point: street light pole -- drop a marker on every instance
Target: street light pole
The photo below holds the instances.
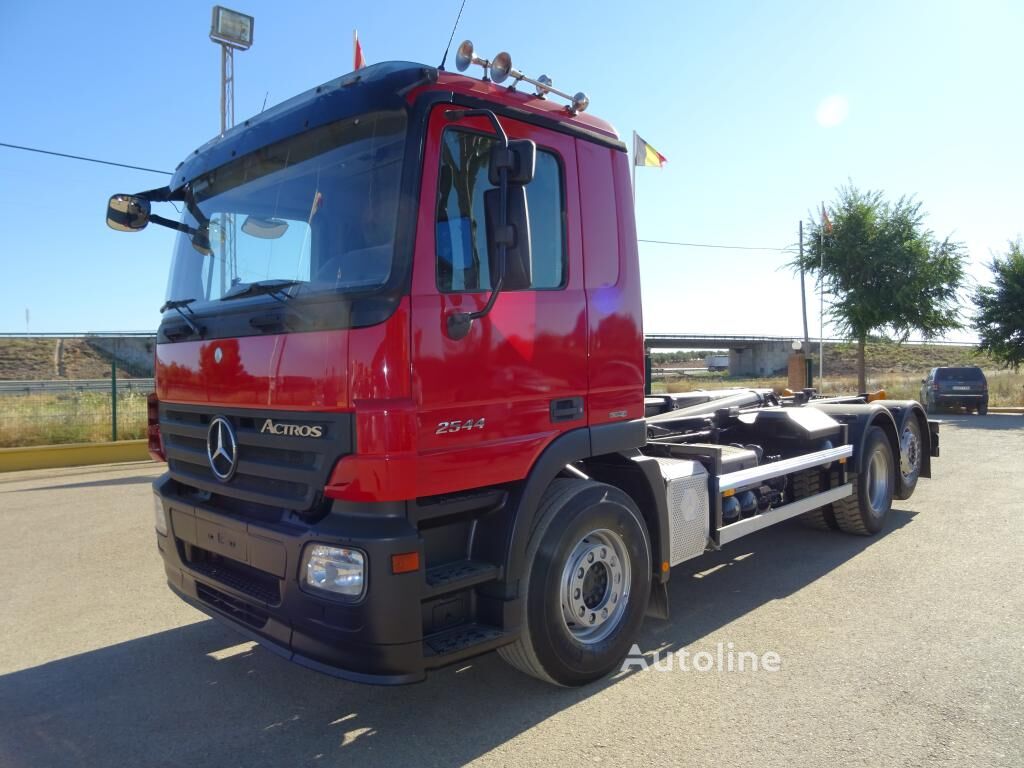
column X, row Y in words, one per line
column 230, row 30
column 227, row 88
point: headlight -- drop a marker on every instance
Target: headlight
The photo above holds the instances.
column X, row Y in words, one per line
column 159, row 515
column 337, row 570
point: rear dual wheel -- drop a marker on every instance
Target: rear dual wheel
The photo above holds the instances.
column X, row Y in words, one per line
column 864, row 511
column 910, row 459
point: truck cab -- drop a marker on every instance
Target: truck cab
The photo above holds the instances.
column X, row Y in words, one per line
column 400, row 389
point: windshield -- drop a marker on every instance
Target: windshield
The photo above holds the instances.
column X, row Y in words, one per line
column 317, row 210
column 959, row 374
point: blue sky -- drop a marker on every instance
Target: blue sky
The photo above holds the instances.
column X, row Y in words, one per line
column 730, row 92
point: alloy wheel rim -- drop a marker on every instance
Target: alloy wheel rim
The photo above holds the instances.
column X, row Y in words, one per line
column 595, row 586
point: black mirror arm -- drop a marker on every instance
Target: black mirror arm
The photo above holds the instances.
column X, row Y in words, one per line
column 184, row 194
column 172, row 224
column 459, row 323
column 459, row 114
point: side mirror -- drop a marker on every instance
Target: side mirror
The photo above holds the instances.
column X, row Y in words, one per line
column 127, row 213
column 515, row 236
column 520, row 157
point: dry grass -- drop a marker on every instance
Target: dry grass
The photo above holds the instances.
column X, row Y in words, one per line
column 36, row 359
column 74, row 417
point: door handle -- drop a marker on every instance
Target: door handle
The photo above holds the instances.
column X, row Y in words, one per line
column 566, row 409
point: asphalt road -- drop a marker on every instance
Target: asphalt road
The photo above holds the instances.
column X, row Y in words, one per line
column 904, row 649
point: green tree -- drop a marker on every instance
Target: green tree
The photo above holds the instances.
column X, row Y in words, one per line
column 885, row 273
column 1000, row 317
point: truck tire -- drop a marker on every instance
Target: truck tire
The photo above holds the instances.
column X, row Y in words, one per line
column 807, row 483
column 911, row 447
column 865, row 510
column 586, row 584
column 983, row 409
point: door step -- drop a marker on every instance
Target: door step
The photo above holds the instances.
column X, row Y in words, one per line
column 462, row 574
column 461, row 642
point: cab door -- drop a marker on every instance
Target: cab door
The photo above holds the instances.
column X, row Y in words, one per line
column 489, row 403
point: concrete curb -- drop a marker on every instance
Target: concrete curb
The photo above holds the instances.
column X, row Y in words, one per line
column 71, row 455
column 1005, row 409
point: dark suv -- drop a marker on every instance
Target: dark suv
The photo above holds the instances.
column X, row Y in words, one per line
column 955, row 387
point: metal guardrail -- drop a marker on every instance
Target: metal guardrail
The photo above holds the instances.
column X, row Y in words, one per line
column 650, row 336
column 727, row 339
column 74, row 385
column 78, row 335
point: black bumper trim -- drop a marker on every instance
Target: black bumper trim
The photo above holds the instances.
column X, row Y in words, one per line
column 288, row 654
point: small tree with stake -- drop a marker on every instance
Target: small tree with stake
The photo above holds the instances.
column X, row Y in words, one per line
column 884, row 271
column 1000, row 317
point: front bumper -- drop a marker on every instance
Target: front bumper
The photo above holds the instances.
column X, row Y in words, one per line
column 247, row 574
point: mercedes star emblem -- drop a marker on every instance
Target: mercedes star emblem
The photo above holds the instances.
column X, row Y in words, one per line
column 222, row 448
column 217, row 355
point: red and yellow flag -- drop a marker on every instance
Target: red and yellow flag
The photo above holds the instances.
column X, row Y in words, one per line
column 826, row 222
column 645, row 155
column 360, row 61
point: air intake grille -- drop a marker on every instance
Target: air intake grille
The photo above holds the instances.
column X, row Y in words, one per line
column 236, row 609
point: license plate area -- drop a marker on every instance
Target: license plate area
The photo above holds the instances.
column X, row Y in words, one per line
column 223, row 540
column 962, row 388
column 229, row 538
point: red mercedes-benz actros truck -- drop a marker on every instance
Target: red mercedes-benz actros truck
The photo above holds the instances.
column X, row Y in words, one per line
column 400, row 390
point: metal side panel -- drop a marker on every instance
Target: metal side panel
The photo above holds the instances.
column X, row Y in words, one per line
column 686, row 489
column 757, row 522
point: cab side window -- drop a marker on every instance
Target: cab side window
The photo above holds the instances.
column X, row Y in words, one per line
column 460, row 223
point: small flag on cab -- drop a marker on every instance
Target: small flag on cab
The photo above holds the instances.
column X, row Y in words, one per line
column 646, row 156
column 360, row 60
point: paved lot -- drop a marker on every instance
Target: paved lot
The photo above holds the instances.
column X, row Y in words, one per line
column 905, row 649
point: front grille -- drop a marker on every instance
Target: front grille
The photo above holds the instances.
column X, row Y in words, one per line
column 276, row 471
column 232, row 607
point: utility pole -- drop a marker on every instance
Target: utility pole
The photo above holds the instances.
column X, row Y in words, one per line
column 803, row 291
column 821, row 320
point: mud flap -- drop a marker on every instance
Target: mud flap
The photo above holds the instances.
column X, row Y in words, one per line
column 657, row 606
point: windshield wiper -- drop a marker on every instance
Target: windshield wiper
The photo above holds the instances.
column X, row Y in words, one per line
column 272, row 288
column 177, row 306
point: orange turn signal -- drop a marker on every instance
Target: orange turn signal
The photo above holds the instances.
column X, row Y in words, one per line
column 405, row 562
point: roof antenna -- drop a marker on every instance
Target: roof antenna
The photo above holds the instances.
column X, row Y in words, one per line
column 452, row 37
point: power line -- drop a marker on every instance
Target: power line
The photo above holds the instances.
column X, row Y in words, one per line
column 716, row 245
column 86, row 159
column 168, row 173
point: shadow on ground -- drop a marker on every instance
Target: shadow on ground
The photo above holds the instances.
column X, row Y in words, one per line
column 193, row 696
column 110, row 481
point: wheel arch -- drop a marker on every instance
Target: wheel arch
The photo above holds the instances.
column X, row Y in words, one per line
column 639, row 477
column 902, row 411
column 577, row 445
column 859, row 418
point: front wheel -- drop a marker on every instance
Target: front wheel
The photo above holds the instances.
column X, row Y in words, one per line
column 586, row 586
